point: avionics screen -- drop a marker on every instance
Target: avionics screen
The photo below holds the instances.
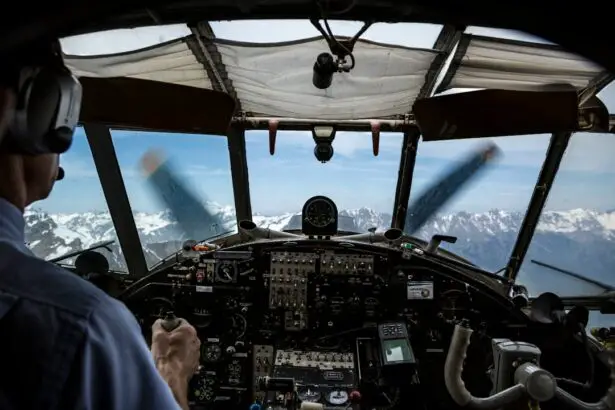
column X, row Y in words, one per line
column 397, row 351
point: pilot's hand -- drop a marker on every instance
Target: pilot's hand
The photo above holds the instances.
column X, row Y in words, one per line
column 177, row 352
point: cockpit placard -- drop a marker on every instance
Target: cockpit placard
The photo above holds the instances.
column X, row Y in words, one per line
column 420, row 290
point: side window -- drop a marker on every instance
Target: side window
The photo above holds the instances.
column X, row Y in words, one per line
column 75, row 215
column 576, row 231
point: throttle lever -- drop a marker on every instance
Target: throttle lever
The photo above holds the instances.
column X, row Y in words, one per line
column 170, row 322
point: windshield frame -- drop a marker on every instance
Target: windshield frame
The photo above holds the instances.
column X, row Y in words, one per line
column 112, row 182
column 105, row 159
column 550, row 166
column 107, row 166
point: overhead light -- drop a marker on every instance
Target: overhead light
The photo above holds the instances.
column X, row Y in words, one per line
column 322, row 132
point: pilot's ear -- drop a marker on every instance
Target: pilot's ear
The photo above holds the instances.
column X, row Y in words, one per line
column 7, row 109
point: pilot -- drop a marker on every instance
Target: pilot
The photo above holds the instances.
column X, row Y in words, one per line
column 65, row 344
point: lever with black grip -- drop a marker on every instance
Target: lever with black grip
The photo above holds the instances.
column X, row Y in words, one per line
column 170, row 322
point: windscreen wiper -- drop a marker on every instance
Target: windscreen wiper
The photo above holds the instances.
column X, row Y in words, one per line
column 607, row 288
column 104, row 244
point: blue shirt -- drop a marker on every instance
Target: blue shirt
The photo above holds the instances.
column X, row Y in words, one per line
column 65, row 344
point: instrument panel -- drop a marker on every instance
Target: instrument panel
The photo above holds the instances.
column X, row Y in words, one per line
column 276, row 310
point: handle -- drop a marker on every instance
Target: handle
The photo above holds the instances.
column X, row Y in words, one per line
column 170, row 322
column 531, row 382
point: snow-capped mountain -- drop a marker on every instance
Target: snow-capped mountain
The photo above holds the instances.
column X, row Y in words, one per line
column 579, row 239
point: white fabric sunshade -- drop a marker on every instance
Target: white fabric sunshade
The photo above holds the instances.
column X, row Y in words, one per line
column 171, row 62
column 276, row 80
column 485, row 62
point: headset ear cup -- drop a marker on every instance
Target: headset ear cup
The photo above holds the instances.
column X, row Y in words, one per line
column 19, row 126
column 67, row 111
column 59, row 140
column 46, row 113
column 43, row 109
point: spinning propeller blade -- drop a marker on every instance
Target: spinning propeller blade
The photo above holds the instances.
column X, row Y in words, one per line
column 438, row 194
column 199, row 223
column 194, row 220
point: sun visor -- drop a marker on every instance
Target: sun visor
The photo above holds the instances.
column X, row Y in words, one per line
column 492, row 113
column 132, row 103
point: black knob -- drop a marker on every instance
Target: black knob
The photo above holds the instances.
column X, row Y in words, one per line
column 170, row 322
column 189, row 245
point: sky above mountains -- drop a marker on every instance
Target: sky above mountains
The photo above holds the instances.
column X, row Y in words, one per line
column 354, row 178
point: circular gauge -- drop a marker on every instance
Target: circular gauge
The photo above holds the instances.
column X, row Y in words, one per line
column 203, row 389
column 454, row 301
column 371, row 301
column 337, row 397
column 225, row 272
column 201, row 318
column 320, row 213
column 211, row 352
column 230, row 303
column 159, row 307
column 309, row 395
column 238, row 325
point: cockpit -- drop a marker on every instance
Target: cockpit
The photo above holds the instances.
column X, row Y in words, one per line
column 304, row 254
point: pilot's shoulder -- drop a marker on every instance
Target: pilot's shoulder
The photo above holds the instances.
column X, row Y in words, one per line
column 45, row 283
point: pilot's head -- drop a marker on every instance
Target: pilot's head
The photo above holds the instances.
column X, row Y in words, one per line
column 35, row 94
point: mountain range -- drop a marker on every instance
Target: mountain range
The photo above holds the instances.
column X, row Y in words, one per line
column 579, row 240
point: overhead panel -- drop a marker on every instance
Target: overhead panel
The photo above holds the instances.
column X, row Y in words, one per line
column 171, row 62
column 487, row 62
column 276, row 79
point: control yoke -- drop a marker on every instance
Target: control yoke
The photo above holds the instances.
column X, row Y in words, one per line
column 532, row 382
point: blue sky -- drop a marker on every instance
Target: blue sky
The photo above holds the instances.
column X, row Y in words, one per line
column 354, row 178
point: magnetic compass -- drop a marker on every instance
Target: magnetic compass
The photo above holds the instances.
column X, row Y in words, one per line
column 337, row 397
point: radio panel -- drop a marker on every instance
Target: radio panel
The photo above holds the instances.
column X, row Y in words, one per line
column 288, row 278
column 316, row 368
column 346, row 264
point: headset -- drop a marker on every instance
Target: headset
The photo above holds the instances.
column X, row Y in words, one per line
column 48, row 101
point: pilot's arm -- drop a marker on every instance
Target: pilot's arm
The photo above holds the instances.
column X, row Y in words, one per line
column 117, row 369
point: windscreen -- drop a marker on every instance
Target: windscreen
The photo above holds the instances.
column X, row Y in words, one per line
column 361, row 184
column 486, row 215
column 76, row 216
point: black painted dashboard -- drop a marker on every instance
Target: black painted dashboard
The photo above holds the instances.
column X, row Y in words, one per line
column 332, row 322
column 278, row 307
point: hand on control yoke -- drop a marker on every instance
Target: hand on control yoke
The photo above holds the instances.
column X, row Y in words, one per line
column 176, row 349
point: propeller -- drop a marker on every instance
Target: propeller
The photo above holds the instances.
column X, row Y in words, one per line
column 443, row 190
column 193, row 218
column 197, row 222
